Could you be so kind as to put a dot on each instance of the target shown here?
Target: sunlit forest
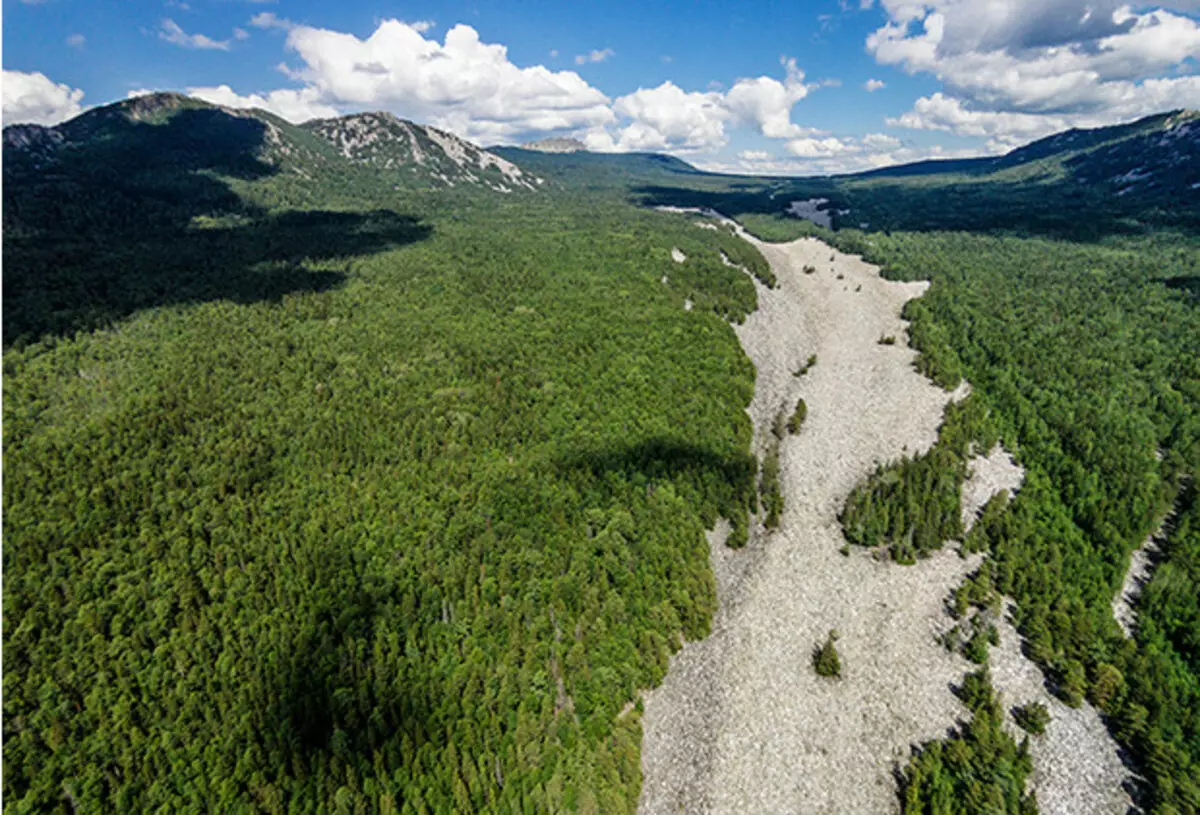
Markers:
(326, 496)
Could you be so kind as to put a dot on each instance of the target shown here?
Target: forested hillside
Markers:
(321, 498)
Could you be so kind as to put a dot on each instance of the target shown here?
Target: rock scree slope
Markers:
(742, 723)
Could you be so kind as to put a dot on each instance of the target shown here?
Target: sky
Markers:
(803, 87)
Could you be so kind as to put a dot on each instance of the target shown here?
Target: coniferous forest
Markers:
(325, 493)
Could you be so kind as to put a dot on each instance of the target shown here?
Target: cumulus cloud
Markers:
(1011, 69)
(599, 55)
(665, 118)
(767, 102)
(171, 32)
(873, 85)
(34, 98)
(672, 119)
(461, 84)
(472, 88)
(293, 105)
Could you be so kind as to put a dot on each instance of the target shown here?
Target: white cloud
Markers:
(170, 31)
(600, 55)
(34, 98)
(820, 148)
(880, 141)
(553, 53)
(665, 118)
(1008, 128)
(754, 155)
(293, 105)
(873, 85)
(668, 118)
(76, 40)
(473, 89)
(461, 84)
(267, 19)
(1011, 69)
(767, 103)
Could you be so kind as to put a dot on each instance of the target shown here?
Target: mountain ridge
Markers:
(403, 153)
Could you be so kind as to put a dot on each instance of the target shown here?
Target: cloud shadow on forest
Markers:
(141, 215)
(663, 459)
(1058, 210)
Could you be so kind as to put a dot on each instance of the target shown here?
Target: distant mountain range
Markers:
(1157, 153)
(1150, 162)
(556, 145)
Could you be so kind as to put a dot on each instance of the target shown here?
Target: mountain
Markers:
(558, 145)
(419, 152)
(331, 487)
(163, 130)
(582, 169)
(1152, 156)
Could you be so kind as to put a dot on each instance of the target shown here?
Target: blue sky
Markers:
(766, 86)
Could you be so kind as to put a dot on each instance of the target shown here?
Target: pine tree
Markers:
(825, 658)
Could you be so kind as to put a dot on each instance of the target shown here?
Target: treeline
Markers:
(1087, 360)
(979, 768)
(913, 506)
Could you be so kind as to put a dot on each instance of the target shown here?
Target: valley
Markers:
(354, 467)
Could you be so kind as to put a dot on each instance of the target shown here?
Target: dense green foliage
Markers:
(323, 496)
(405, 540)
(1032, 717)
(913, 506)
(978, 769)
(826, 661)
(1089, 362)
(798, 416)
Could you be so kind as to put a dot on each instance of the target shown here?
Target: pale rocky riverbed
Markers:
(741, 723)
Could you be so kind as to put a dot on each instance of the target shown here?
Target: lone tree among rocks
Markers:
(1032, 717)
(825, 658)
(798, 417)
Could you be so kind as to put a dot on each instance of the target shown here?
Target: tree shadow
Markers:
(122, 215)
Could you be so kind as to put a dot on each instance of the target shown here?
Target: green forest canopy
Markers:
(323, 496)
